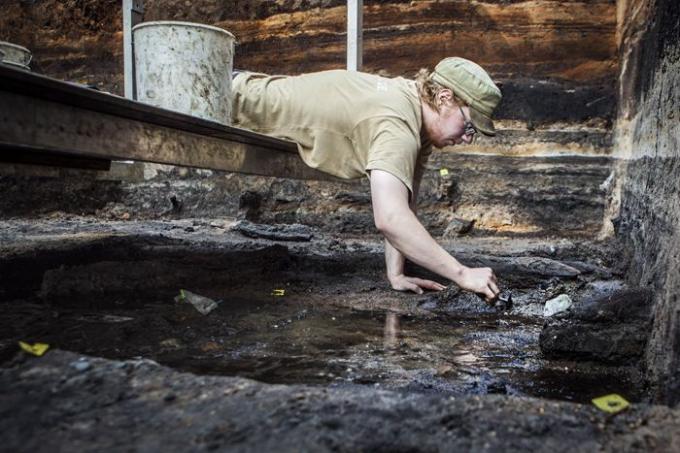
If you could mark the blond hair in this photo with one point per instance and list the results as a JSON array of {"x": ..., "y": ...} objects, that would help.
[{"x": 428, "y": 90}]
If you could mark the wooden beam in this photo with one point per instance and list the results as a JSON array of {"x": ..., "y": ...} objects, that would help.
[
  {"x": 43, "y": 113},
  {"x": 27, "y": 155}
]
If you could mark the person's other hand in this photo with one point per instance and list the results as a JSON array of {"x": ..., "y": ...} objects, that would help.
[
  {"x": 415, "y": 284},
  {"x": 480, "y": 280}
]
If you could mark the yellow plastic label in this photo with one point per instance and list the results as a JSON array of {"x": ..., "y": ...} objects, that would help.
[
  {"x": 444, "y": 171},
  {"x": 279, "y": 292},
  {"x": 611, "y": 403},
  {"x": 37, "y": 349}
]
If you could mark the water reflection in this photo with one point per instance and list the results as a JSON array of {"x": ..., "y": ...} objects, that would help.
[
  {"x": 466, "y": 358},
  {"x": 391, "y": 331},
  {"x": 389, "y": 349}
]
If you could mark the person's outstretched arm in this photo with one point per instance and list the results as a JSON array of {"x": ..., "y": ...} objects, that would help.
[
  {"x": 395, "y": 220},
  {"x": 394, "y": 260}
]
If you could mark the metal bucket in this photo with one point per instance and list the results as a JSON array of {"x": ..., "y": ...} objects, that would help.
[
  {"x": 185, "y": 67},
  {"x": 14, "y": 55}
]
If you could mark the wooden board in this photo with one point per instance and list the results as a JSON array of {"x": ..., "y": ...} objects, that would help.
[{"x": 38, "y": 112}]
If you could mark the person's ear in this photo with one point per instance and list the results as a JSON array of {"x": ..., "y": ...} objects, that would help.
[{"x": 444, "y": 96}]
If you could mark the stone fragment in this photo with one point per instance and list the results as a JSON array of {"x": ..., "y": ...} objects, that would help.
[
  {"x": 608, "y": 324},
  {"x": 557, "y": 305},
  {"x": 458, "y": 227},
  {"x": 82, "y": 364},
  {"x": 358, "y": 198},
  {"x": 203, "y": 304},
  {"x": 606, "y": 343},
  {"x": 521, "y": 266},
  {"x": 210, "y": 346},
  {"x": 620, "y": 305},
  {"x": 454, "y": 301},
  {"x": 170, "y": 343},
  {"x": 276, "y": 232},
  {"x": 504, "y": 301}
]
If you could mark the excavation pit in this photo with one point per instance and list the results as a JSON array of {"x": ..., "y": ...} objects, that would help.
[{"x": 318, "y": 313}]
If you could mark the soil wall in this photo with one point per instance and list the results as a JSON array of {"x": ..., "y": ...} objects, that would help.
[
  {"x": 518, "y": 196},
  {"x": 556, "y": 60},
  {"x": 648, "y": 144}
]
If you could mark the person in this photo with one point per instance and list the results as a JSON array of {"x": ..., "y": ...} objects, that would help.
[{"x": 352, "y": 124}]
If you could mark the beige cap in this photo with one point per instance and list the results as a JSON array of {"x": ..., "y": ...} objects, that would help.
[{"x": 473, "y": 85}]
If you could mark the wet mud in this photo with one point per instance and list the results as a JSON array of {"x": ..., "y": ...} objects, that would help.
[
  {"x": 285, "y": 340},
  {"x": 316, "y": 315},
  {"x": 318, "y": 312},
  {"x": 71, "y": 402}
]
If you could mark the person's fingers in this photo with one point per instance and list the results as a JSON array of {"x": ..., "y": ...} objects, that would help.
[
  {"x": 494, "y": 288},
  {"x": 495, "y": 295},
  {"x": 410, "y": 285},
  {"x": 429, "y": 284},
  {"x": 489, "y": 294},
  {"x": 493, "y": 278}
]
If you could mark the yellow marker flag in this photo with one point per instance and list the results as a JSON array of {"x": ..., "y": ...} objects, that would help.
[
  {"x": 37, "y": 349},
  {"x": 612, "y": 404},
  {"x": 444, "y": 171},
  {"x": 279, "y": 292}
]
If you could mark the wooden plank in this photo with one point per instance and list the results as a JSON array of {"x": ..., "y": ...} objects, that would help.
[
  {"x": 43, "y": 113},
  {"x": 45, "y": 88},
  {"x": 27, "y": 155}
]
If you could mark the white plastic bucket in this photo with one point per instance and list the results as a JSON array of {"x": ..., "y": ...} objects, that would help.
[
  {"x": 15, "y": 55},
  {"x": 185, "y": 67}
]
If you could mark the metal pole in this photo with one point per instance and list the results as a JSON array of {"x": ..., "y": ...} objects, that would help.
[
  {"x": 133, "y": 13},
  {"x": 355, "y": 24}
]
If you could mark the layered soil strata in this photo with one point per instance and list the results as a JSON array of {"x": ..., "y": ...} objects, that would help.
[
  {"x": 547, "y": 55},
  {"x": 648, "y": 142},
  {"x": 556, "y": 62},
  {"x": 516, "y": 196}
]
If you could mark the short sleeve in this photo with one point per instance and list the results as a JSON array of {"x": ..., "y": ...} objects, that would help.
[{"x": 391, "y": 147}]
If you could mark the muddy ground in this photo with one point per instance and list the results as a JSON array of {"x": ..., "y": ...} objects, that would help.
[
  {"x": 309, "y": 348},
  {"x": 87, "y": 404}
]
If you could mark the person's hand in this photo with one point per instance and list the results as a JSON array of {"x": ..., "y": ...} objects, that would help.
[
  {"x": 415, "y": 284},
  {"x": 480, "y": 280}
]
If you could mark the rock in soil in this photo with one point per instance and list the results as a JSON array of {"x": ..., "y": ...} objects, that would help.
[
  {"x": 278, "y": 232},
  {"x": 559, "y": 304},
  {"x": 611, "y": 327}
]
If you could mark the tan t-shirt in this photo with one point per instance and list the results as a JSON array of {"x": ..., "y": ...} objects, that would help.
[{"x": 345, "y": 123}]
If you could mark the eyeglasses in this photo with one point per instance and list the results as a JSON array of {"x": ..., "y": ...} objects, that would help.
[{"x": 470, "y": 130}]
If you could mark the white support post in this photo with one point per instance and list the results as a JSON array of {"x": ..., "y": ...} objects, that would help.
[
  {"x": 355, "y": 24},
  {"x": 133, "y": 13}
]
